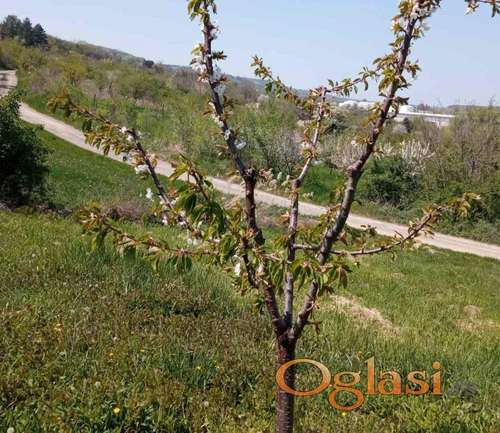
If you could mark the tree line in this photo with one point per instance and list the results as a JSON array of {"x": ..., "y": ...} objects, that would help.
[{"x": 31, "y": 36}]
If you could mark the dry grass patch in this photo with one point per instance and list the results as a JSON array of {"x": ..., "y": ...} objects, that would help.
[
  {"x": 473, "y": 323},
  {"x": 363, "y": 316}
]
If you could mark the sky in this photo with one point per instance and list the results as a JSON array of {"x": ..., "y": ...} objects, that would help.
[{"x": 305, "y": 42}]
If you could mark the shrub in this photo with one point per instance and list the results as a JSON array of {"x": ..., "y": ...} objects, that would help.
[
  {"x": 22, "y": 157},
  {"x": 390, "y": 180}
]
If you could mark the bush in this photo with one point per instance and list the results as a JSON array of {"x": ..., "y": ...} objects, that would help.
[
  {"x": 22, "y": 157},
  {"x": 390, "y": 180},
  {"x": 270, "y": 132}
]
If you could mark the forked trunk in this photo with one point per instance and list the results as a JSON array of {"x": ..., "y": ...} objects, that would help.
[{"x": 284, "y": 401}]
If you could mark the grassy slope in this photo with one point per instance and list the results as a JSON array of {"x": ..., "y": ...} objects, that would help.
[
  {"x": 78, "y": 176},
  {"x": 82, "y": 333}
]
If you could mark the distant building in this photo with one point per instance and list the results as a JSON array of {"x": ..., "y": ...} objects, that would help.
[
  {"x": 405, "y": 111},
  {"x": 440, "y": 120},
  {"x": 361, "y": 105}
]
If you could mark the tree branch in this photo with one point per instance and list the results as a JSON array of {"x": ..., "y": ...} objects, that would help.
[
  {"x": 354, "y": 174},
  {"x": 294, "y": 212}
]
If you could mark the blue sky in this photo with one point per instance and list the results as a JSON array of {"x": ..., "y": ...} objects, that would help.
[{"x": 305, "y": 41}]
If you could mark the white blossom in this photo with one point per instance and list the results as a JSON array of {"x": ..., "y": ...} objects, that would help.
[
  {"x": 220, "y": 89},
  {"x": 149, "y": 194},
  {"x": 227, "y": 134},
  {"x": 217, "y": 73},
  {"x": 124, "y": 130},
  {"x": 141, "y": 169},
  {"x": 218, "y": 120},
  {"x": 237, "y": 269},
  {"x": 214, "y": 31},
  {"x": 164, "y": 220}
]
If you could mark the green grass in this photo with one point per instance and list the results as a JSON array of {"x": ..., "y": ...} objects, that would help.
[
  {"x": 83, "y": 333},
  {"x": 78, "y": 176}
]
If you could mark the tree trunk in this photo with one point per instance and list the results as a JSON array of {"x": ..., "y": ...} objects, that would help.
[{"x": 284, "y": 401}]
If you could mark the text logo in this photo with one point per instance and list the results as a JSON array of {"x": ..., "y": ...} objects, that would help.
[{"x": 385, "y": 383}]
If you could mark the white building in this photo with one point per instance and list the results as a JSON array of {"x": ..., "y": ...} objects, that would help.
[{"x": 405, "y": 111}]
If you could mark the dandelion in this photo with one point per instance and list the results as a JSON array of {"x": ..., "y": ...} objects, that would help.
[
  {"x": 344, "y": 413},
  {"x": 116, "y": 410},
  {"x": 206, "y": 403}
]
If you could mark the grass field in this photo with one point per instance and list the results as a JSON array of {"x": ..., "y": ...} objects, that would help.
[{"x": 93, "y": 342}]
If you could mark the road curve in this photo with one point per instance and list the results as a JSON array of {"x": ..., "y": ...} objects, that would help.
[{"x": 76, "y": 137}]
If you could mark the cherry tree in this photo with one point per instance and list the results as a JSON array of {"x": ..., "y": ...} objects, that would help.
[{"x": 290, "y": 271}]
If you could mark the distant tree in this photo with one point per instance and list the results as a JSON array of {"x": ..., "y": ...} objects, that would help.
[
  {"x": 39, "y": 36},
  {"x": 10, "y": 27},
  {"x": 27, "y": 33},
  {"x": 148, "y": 64}
]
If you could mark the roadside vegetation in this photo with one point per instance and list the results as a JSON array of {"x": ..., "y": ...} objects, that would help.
[
  {"x": 96, "y": 342},
  {"x": 22, "y": 158},
  {"x": 167, "y": 105}
]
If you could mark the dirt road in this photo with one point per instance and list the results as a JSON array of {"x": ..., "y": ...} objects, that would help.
[{"x": 74, "y": 136}]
